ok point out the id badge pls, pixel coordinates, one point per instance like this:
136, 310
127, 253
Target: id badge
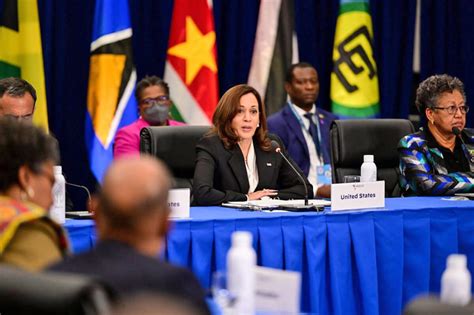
323, 173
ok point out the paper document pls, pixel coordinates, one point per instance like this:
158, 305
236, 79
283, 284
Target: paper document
274, 203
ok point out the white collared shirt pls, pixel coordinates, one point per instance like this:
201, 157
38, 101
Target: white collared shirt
251, 167
314, 160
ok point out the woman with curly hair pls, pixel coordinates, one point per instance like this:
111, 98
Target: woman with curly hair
439, 160
28, 238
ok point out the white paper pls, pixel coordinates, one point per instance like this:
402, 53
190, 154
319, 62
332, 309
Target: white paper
277, 291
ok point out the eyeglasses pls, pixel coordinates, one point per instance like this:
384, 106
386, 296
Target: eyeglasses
451, 110
161, 100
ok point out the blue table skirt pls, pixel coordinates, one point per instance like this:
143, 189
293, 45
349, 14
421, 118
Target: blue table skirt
358, 262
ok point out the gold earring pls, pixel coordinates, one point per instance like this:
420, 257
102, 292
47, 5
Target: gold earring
432, 122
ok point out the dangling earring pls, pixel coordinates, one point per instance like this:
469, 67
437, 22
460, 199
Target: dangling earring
30, 192
432, 122
258, 125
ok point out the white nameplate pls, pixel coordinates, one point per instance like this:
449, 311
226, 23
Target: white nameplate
358, 195
178, 201
277, 291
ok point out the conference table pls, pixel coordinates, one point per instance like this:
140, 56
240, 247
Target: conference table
351, 262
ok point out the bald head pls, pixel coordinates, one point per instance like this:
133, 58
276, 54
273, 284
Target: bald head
134, 198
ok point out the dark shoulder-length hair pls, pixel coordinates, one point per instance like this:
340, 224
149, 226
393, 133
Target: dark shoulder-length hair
227, 109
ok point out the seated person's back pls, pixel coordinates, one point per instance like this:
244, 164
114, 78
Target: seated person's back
131, 218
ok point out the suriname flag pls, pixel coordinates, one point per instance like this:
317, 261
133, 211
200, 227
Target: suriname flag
354, 79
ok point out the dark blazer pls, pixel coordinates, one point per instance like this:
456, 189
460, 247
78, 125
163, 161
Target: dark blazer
220, 174
287, 127
128, 272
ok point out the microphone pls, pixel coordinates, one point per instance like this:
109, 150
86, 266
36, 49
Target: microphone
457, 133
89, 199
277, 148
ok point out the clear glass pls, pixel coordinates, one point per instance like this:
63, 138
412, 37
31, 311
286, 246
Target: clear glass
222, 297
351, 179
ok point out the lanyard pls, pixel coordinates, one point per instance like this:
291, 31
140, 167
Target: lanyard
316, 122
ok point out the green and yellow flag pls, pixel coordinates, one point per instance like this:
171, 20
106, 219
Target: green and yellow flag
354, 80
21, 53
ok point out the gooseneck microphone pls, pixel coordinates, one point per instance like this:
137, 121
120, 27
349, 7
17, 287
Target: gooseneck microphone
276, 147
457, 133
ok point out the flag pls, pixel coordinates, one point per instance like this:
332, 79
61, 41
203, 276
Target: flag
275, 49
112, 78
21, 53
354, 80
191, 65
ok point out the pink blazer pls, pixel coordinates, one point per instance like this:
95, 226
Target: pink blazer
127, 139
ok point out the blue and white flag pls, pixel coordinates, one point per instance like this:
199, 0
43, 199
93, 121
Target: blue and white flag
112, 78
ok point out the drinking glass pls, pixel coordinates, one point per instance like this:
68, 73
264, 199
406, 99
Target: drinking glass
351, 179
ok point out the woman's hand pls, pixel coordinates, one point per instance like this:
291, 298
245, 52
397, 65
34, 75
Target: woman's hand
256, 195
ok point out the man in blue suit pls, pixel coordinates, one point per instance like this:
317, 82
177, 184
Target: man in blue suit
304, 128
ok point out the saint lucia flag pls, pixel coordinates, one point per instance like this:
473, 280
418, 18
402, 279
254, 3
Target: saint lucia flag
112, 78
191, 66
21, 54
354, 80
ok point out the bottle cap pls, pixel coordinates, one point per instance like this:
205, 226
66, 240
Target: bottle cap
368, 158
241, 238
456, 261
58, 170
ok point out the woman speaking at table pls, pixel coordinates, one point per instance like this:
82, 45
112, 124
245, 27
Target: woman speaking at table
236, 160
439, 160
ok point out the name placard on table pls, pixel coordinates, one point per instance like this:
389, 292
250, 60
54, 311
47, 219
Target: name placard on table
357, 195
178, 201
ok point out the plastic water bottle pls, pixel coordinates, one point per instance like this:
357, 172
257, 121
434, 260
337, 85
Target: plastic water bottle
368, 169
58, 209
456, 281
241, 262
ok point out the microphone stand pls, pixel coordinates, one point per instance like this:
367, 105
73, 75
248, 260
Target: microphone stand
296, 207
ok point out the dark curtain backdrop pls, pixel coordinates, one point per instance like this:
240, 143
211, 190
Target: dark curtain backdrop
447, 42
66, 31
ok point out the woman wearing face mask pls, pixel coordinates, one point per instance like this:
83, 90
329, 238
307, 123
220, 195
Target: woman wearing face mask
152, 94
439, 159
236, 161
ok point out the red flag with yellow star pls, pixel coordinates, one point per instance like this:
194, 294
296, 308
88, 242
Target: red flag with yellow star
191, 66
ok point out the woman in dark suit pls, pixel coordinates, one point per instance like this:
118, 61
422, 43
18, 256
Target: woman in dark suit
236, 162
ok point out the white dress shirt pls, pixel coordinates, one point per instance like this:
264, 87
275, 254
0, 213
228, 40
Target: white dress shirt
314, 157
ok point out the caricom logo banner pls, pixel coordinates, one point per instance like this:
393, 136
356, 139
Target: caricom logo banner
354, 80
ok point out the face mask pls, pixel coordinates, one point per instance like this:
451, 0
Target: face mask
156, 114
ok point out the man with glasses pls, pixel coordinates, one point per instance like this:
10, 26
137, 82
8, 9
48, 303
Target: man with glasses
439, 159
17, 99
152, 94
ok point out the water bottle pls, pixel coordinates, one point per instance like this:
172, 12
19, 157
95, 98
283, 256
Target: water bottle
241, 262
57, 211
368, 169
456, 281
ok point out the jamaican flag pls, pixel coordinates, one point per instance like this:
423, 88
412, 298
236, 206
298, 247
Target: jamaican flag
21, 54
354, 80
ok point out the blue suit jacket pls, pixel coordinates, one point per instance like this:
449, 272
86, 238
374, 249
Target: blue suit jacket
286, 126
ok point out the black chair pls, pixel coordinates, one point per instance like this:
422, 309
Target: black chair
176, 146
22, 293
352, 139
